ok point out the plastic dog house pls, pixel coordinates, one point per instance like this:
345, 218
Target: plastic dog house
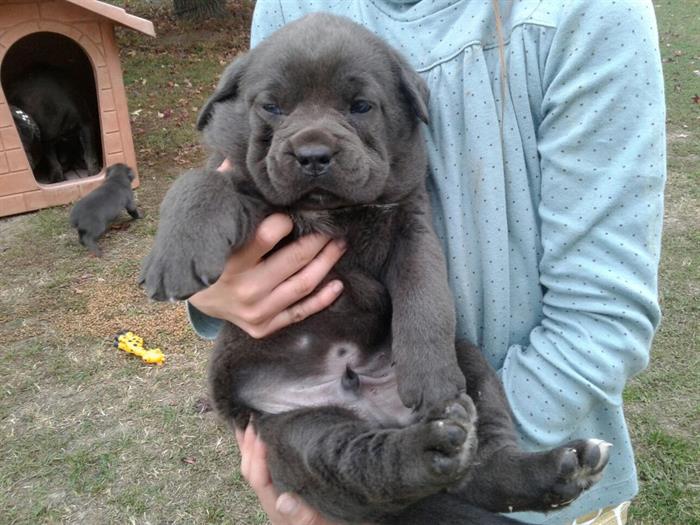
78, 35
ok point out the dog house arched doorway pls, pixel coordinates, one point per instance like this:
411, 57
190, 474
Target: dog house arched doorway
89, 25
62, 64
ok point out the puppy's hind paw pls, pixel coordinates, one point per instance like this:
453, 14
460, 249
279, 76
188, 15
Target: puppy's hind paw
580, 465
450, 440
586, 468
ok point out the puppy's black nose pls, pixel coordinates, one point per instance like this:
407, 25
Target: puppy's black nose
314, 159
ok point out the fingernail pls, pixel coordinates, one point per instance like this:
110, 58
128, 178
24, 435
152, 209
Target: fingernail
286, 504
336, 286
341, 244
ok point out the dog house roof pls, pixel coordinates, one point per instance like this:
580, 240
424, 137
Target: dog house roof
117, 15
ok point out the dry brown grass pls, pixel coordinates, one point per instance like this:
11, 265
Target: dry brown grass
89, 433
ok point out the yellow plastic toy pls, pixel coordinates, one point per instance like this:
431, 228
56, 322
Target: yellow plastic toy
133, 344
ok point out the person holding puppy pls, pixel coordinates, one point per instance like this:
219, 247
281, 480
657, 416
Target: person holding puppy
547, 165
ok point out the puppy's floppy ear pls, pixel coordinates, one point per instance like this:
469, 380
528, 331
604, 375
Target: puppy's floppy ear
412, 87
227, 89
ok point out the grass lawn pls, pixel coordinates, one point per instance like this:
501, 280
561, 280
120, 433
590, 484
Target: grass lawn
663, 403
88, 434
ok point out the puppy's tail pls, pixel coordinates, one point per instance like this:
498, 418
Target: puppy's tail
446, 509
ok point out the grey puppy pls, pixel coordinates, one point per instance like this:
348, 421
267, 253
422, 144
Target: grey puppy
364, 406
93, 214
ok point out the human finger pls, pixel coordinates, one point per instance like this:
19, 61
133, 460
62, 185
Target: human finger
261, 482
226, 165
269, 232
288, 510
297, 512
246, 449
299, 285
259, 475
296, 255
260, 281
303, 309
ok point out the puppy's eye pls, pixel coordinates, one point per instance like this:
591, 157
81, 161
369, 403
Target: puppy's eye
272, 108
360, 106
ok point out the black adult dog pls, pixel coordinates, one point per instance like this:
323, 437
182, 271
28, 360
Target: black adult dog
322, 121
67, 130
29, 134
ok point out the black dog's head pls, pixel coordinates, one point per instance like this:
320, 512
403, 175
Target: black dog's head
321, 114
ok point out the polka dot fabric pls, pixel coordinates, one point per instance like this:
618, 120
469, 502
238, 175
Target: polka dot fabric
553, 240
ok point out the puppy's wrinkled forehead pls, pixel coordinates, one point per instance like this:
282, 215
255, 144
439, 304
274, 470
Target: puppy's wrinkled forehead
325, 61
319, 55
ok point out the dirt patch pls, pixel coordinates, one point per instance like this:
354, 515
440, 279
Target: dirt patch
110, 309
89, 433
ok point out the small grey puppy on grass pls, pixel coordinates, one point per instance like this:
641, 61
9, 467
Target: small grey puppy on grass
93, 214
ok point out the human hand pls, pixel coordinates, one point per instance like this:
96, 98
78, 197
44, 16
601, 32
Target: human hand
261, 296
285, 509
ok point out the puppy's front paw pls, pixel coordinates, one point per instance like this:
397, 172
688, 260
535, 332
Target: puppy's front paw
424, 389
179, 267
201, 218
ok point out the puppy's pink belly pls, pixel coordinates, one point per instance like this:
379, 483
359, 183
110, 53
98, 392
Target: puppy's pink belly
368, 387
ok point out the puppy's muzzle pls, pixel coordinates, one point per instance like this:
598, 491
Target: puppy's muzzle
313, 150
314, 159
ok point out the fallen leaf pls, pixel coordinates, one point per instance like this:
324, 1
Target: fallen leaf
202, 406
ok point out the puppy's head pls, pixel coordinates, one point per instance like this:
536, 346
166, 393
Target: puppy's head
321, 114
120, 172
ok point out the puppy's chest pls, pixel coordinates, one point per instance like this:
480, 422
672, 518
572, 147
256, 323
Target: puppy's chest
369, 231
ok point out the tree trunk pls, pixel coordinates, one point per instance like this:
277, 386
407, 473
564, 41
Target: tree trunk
199, 9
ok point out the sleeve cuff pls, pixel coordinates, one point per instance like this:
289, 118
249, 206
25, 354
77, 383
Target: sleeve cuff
206, 327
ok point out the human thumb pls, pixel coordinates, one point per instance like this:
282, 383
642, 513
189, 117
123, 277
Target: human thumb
292, 508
